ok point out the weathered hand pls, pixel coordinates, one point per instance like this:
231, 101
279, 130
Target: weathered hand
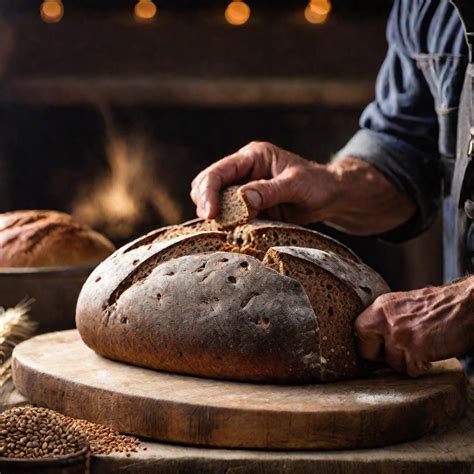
349, 194
409, 330
282, 183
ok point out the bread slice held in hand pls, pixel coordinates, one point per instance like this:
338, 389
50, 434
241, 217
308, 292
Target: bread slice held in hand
234, 209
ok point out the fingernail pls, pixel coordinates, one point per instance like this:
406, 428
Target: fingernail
254, 198
207, 209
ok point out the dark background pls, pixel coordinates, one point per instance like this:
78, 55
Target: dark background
194, 88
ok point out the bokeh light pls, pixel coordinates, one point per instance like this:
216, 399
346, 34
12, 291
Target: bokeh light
237, 13
145, 10
52, 11
317, 11
320, 7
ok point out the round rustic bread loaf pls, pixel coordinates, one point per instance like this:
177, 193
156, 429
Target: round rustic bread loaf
48, 239
195, 305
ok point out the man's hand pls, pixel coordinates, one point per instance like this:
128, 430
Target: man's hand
287, 186
412, 329
349, 193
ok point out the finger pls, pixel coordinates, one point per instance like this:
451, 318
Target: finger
268, 193
208, 195
199, 211
371, 347
206, 186
416, 366
369, 333
193, 195
395, 358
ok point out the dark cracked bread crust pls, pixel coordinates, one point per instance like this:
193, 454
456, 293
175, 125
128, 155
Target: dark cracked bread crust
194, 305
236, 320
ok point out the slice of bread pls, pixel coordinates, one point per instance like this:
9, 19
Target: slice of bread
234, 208
256, 237
339, 290
173, 231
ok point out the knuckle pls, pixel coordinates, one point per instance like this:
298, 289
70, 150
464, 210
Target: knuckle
261, 146
360, 324
251, 147
379, 303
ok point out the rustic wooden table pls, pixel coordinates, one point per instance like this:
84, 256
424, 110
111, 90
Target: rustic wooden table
451, 451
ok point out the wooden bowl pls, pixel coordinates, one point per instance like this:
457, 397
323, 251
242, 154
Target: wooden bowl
54, 290
76, 463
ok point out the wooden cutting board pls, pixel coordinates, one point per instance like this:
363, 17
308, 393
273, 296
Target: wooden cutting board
58, 371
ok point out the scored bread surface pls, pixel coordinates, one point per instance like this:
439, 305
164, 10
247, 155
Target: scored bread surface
222, 315
193, 305
124, 270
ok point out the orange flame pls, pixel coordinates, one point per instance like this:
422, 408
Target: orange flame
117, 202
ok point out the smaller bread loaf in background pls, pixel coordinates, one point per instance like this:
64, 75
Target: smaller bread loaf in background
48, 239
234, 208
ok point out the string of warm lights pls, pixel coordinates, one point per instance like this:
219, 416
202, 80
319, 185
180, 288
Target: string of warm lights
237, 12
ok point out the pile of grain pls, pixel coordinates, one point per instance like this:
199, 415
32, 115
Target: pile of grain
102, 439
37, 433
30, 432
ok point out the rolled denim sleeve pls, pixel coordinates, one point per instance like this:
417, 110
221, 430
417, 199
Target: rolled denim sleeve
399, 130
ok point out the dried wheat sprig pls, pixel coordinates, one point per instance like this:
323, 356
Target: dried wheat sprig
15, 327
5, 373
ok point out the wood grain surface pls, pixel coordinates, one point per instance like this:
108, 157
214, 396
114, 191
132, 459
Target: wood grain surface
58, 371
449, 451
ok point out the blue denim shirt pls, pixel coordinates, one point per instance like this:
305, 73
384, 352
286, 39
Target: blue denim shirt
409, 131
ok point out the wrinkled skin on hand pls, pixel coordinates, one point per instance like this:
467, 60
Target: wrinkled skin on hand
409, 330
349, 194
279, 181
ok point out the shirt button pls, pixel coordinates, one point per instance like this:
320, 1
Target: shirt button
469, 209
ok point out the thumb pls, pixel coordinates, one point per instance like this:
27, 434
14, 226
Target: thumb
370, 340
267, 193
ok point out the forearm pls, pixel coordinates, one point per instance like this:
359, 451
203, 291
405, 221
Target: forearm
365, 202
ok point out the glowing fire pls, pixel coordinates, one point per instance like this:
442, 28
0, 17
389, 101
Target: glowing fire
117, 202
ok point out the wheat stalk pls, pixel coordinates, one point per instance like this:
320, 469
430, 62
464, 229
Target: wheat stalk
15, 327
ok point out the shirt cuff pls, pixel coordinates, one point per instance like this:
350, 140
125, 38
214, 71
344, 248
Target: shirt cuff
414, 173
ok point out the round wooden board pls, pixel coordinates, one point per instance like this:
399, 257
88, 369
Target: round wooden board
58, 371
